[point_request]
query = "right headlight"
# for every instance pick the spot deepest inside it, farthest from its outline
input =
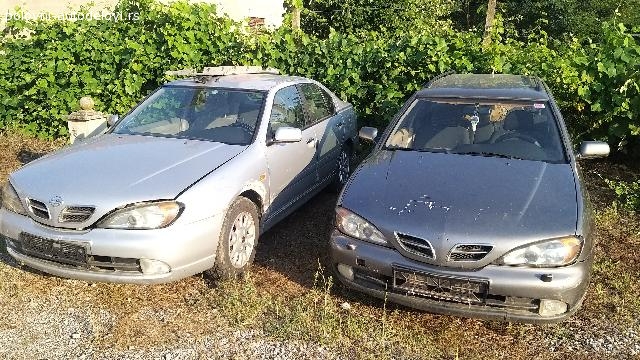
(11, 201)
(353, 225)
(143, 216)
(550, 253)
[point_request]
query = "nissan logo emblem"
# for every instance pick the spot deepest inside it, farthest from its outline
(55, 201)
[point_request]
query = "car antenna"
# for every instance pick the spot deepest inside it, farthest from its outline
(437, 77)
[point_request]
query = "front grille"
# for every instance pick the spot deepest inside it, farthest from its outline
(76, 214)
(469, 252)
(39, 209)
(417, 246)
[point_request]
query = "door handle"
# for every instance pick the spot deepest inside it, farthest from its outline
(311, 143)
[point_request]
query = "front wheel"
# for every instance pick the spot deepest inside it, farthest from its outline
(343, 168)
(238, 240)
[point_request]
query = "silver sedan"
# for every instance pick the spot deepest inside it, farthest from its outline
(185, 183)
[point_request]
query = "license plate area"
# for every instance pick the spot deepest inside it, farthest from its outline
(54, 250)
(441, 287)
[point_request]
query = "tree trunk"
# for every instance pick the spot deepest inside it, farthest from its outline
(295, 18)
(488, 25)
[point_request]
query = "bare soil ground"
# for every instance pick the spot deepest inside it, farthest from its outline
(289, 308)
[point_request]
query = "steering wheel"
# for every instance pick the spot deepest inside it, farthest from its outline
(517, 135)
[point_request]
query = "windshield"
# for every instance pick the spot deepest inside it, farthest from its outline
(220, 115)
(489, 128)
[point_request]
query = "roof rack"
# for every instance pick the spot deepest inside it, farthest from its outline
(223, 71)
(438, 77)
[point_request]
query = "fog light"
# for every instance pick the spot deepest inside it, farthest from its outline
(346, 271)
(552, 307)
(153, 267)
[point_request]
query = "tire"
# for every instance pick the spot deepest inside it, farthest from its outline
(343, 168)
(238, 240)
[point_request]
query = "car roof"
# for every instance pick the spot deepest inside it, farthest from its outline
(486, 86)
(262, 82)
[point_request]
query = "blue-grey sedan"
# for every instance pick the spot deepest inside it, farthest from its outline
(185, 183)
(471, 204)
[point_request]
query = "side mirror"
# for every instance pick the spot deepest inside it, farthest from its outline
(287, 135)
(368, 133)
(112, 119)
(593, 150)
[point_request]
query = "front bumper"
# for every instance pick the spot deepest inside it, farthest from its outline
(187, 249)
(513, 293)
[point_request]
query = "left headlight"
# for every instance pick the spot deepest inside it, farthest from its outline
(11, 200)
(353, 225)
(143, 216)
(550, 253)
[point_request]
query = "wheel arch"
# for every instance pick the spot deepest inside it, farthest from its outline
(255, 198)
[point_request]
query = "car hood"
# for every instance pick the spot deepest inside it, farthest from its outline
(451, 199)
(115, 170)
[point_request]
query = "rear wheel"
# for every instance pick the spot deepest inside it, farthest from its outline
(343, 168)
(238, 240)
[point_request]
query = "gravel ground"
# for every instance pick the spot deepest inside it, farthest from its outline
(44, 328)
(602, 339)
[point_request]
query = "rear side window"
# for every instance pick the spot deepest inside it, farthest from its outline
(318, 104)
(286, 110)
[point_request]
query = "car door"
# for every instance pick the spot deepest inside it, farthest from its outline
(321, 117)
(292, 166)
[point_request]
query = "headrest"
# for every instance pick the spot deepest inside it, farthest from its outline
(518, 120)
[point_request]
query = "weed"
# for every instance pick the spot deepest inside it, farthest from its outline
(627, 193)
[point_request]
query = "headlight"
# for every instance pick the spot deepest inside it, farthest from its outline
(357, 227)
(11, 201)
(550, 253)
(143, 216)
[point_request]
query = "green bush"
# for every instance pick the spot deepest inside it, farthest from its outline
(46, 66)
(627, 193)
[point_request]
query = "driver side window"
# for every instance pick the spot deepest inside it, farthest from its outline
(287, 110)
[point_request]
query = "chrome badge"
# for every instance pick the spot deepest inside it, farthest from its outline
(55, 201)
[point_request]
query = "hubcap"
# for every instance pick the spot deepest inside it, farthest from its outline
(343, 167)
(242, 239)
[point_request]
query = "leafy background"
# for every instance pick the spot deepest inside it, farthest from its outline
(46, 66)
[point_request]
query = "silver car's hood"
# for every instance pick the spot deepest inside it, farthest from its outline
(451, 199)
(114, 170)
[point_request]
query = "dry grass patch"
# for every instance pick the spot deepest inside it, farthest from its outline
(18, 149)
(615, 287)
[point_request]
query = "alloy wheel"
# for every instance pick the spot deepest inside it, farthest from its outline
(242, 239)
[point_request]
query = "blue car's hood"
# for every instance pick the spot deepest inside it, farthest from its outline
(450, 199)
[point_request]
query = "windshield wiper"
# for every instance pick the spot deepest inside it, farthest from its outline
(436, 150)
(489, 154)
(391, 148)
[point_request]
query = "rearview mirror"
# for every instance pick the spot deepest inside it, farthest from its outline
(593, 149)
(368, 133)
(112, 119)
(287, 135)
